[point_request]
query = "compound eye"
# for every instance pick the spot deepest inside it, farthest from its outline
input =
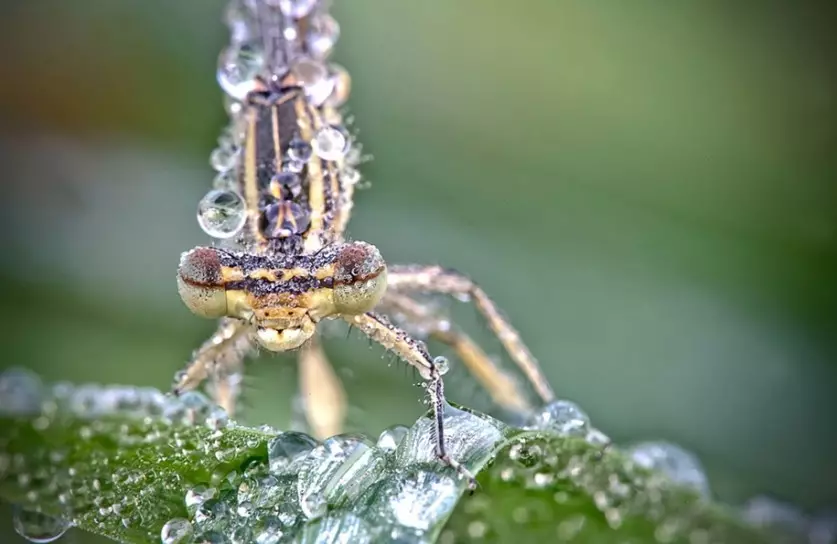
(200, 284)
(360, 278)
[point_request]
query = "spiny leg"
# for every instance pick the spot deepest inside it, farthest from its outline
(435, 279)
(219, 359)
(415, 353)
(323, 397)
(504, 390)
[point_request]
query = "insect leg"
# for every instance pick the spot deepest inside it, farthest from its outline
(503, 389)
(435, 279)
(415, 353)
(219, 359)
(324, 399)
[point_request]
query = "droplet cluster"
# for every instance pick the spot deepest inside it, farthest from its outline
(237, 485)
(345, 489)
(307, 33)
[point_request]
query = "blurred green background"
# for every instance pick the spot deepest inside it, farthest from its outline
(648, 189)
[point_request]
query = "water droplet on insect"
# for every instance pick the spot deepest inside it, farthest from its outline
(299, 151)
(297, 8)
(221, 214)
(391, 437)
(288, 449)
(350, 176)
(342, 83)
(563, 417)
(330, 143)
(238, 67)
(223, 158)
(677, 463)
(37, 527)
(315, 80)
(323, 33)
(176, 531)
(442, 365)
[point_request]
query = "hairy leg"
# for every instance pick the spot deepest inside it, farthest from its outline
(504, 390)
(435, 279)
(219, 359)
(415, 353)
(324, 399)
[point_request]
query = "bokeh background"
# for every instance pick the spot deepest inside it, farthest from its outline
(648, 189)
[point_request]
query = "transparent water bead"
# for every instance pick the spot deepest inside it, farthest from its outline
(323, 33)
(769, 513)
(342, 85)
(421, 498)
(391, 437)
(470, 439)
(442, 365)
(299, 151)
(223, 157)
(37, 527)
(336, 472)
(196, 496)
(297, 8)
(221, 214)
(677, 463)
(330, 143)
(563, 417)
(21, 392)
(287, 450)
(176, 531)
(337, 529)
(238, 67)
(315, 79)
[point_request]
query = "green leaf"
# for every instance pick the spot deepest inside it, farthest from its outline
(131, 463)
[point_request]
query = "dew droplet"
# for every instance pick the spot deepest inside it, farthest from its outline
(323, 33)
(421, 498)
(198, 495)
(221, 214)
(299, 151)
(330, 143)
(37, 527)
(315, 80)
(176, 531)
(342, 85)
(238, 67)
(350, 175)
(223, 158)
(270, 532)
(297, 8)
(287, 450)
(391, 437)
(21, 392)
(442, 365)
(677, 463)
(563, 417)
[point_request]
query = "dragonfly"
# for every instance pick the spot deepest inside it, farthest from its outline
(281, 263)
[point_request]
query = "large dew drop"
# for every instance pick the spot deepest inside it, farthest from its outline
(677, 463)
(563, 417)
(238, 67)
(221, 214)
(37, 527)
(176, 531)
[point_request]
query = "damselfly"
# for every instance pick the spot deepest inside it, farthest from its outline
(279, 210)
